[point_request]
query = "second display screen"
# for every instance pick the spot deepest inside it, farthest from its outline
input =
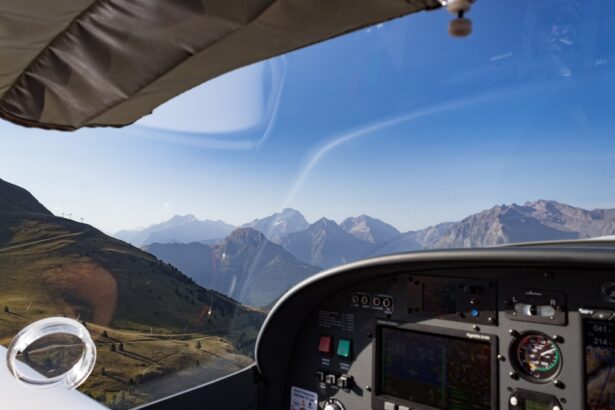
(440, 371)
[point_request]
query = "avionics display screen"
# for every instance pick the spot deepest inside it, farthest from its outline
(440, 371)
(536, 405)
(600, 364)
(439, 298)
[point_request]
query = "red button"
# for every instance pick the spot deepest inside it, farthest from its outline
(326, 345)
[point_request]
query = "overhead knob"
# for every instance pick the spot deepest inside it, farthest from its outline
(461, 26)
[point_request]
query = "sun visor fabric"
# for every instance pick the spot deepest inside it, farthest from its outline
(67, 64)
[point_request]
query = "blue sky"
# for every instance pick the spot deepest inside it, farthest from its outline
(398, 121)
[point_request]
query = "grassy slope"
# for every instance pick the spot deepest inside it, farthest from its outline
(52, 266)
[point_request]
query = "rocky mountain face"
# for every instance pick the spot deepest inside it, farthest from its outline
(275, 226)
(179, 229)
(503, 224)
(588, 224)
(245, 266)
(370, 229)
(325, 244)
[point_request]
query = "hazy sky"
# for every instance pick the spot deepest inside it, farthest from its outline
(398, 121)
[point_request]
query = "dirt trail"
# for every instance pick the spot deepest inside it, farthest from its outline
(39, 241)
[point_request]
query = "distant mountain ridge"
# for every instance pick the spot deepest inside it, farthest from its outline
(324, 243)
(540, 220)
(245, 266)
(180, 229)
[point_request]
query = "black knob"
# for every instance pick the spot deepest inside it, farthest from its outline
(558, 384)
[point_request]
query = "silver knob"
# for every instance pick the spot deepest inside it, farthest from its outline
(514, 401)
(334, 404)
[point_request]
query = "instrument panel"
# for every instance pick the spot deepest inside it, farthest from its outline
(462, 338)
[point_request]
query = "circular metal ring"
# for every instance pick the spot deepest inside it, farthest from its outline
(71, 379)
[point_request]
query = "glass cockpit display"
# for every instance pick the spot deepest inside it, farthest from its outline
(599, 336)
(440, 371)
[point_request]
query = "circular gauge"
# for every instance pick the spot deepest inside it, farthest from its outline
(536, 357)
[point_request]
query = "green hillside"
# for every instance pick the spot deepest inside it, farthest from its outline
(52, 266)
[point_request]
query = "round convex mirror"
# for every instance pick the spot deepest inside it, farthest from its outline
(52, 352)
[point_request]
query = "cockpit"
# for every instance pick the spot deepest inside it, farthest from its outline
(307, 205)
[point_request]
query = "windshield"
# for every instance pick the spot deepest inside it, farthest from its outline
(172, 238)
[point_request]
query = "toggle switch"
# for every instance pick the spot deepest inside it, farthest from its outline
(325, 345)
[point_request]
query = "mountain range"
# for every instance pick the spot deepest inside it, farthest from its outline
(325, 244)
(504, 224)
(188, 228)
(179, 229)
(253, 264)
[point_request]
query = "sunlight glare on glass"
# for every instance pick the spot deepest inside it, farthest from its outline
(233, 102)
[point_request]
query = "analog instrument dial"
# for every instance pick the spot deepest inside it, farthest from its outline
(536, 357)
